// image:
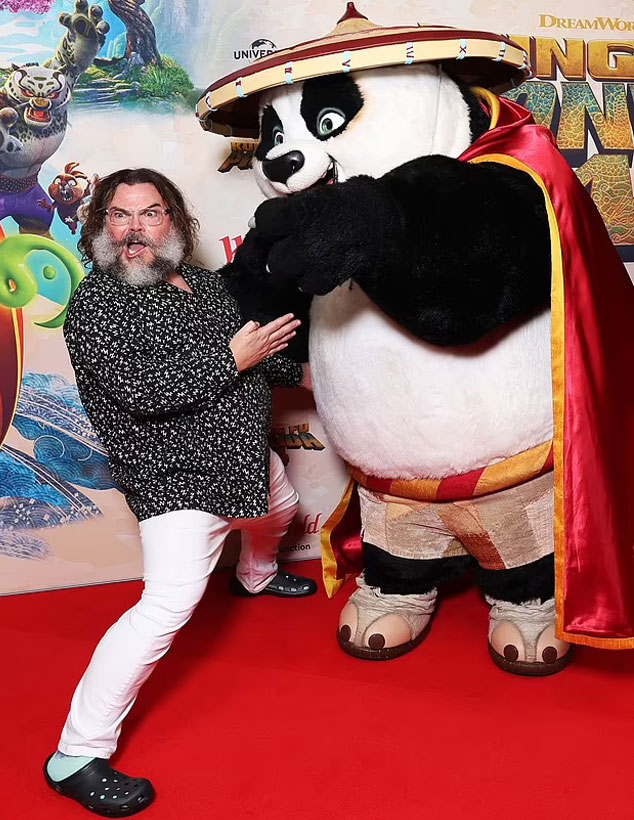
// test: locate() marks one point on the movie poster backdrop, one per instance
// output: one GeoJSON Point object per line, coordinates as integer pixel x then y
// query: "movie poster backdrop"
{"type": "Point", "coordinates": [132, 73]}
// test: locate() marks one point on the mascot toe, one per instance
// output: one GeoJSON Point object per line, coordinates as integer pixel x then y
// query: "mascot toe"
{"type": "Point", "coordinates": [470, 330]}
{"type": "Point", "coordinates": [379, 626]}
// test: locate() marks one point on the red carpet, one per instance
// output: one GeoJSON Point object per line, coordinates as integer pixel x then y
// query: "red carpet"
{"type": "Point", "coordinates": [256, 713]}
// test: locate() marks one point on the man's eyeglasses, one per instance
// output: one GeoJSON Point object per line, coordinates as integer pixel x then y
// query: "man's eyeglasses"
{"type": "Point", "coordinates": [148, 216]}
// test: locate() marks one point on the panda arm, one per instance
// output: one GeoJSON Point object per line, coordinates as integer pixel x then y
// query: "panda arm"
{"type": "Point", "coordinates": [262, 300]}
{"type": "Point", "coordinates": [450, 250]}
{"type": "Point", "coordinates": [467, 250]}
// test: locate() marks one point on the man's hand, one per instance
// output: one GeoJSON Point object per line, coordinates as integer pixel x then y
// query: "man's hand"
{"type": "Point", "coordinates": [255, 342]}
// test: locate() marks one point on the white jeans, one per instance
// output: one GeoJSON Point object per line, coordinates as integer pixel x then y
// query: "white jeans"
{"type": "Point", "coordinates": [180, 550]}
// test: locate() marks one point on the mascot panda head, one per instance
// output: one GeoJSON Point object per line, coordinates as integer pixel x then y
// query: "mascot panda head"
{"type": "Point", "coordinates": [328, 129]}
{"type": "Point", "coordinates": [326, 110]}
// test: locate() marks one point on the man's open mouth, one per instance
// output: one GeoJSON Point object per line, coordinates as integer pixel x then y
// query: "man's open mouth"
{"type": "Point", "coordinates": [133, 249]}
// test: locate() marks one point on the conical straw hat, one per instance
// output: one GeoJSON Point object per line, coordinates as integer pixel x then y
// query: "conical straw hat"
{"type": "Point", "coordinates": [230, 105]}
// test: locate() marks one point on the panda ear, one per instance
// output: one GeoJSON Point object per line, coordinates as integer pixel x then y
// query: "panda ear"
{"type": "Point", "coordinates": [15, 66]}
{"type": "Point", "coordinates": [480, 121]}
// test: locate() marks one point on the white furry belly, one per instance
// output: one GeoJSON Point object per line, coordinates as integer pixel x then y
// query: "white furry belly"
{"type": "Point", "coordinates": [400, 408]}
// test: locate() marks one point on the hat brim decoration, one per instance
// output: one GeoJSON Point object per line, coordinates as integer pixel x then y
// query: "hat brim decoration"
{"type": "Point", "coordinates": [230, 105]}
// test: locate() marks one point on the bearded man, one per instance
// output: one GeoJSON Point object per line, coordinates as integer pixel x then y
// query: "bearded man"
{"type": "Point", "coordinates": [179, 394]}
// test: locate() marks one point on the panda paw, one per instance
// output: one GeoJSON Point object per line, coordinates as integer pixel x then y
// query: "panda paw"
{"type": "Point", "coordinates": [318, 238]}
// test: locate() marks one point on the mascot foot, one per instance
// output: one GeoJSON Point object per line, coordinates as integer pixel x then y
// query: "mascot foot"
{"type": "Point", "coordinates": [379, 627]}
{"type": "Point", "coordinates": [522, 638]}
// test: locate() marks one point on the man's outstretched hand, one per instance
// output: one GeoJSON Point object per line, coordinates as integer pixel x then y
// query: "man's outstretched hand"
{"type": "Point", "coordinates": [255, 342]}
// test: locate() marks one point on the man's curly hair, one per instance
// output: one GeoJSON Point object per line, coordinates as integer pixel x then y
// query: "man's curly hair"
{"type": "Point", "coordinates": [94, 214]}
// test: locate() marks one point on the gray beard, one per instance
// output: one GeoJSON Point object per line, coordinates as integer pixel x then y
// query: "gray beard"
{"type": "Point", "coordinates": [168, 255]}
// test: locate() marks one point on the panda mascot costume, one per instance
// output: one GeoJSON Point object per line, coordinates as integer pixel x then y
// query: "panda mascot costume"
{"type": "Point", "coordinates": [470, 334]}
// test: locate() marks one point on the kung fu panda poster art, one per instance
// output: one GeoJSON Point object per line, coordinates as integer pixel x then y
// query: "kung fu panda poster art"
{"type": "Point", "coordinates": [471, 334]}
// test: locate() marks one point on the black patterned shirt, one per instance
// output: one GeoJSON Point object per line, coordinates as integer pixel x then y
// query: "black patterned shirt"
{"type": "Point", "coordinates": [157, 378]}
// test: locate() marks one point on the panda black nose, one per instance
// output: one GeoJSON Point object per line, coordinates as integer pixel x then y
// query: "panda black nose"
{"type": "Point", "coordinates": [280, 169]}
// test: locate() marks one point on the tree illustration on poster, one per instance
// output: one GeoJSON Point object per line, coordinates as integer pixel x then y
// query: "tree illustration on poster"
{"type": "Point", "coordinates": [140, 33]}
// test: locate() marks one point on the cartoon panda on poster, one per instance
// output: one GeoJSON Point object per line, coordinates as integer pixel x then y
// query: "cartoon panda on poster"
{"type": "Point", "coordinates": [471, 328]}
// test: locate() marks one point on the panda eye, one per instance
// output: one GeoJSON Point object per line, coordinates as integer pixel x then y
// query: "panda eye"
{"type": "Point", "coordinates": [278, 135]}
{"type": "Point", "coordinates": [26, 92]}
{"type": "Point", "coordinates": [329, 120]}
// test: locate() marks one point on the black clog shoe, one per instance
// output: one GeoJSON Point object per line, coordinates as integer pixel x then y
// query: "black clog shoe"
{"type": "Point", "coordinates": [283, 585]}
{"type": "Point", "coordinates": [103, 790]}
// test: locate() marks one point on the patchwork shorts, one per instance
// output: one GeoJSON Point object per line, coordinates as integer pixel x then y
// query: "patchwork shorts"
{"type": "Point", "coordinates": [502, 530]}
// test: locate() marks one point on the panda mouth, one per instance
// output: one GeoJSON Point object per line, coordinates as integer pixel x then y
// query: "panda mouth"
{"type": "Point", "coordinates": [330, 177]}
